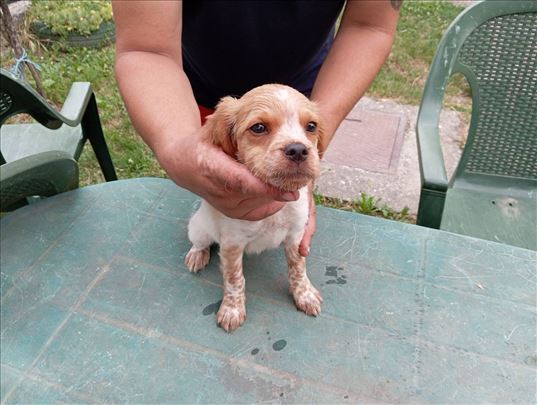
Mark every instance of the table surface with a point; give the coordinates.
(97, 306)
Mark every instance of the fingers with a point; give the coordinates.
(250, 210)
(236, 192)
(264, 211)
(286, 196)
(232, 177)
(240, 179)
(226, 184)
(304, 247)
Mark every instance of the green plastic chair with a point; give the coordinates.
(493, 192)
(41, 159)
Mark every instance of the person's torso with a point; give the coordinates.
(229, 47)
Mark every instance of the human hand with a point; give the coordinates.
(227, 185)
(304, 247)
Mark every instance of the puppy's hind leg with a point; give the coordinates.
(198, 256)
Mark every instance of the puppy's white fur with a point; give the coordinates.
(285, 114)
(208, 225)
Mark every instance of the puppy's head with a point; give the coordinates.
(272, 129)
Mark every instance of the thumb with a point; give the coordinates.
(283, 196)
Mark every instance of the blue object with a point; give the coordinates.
(18, 67)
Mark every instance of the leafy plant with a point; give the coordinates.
(64, 17)
(367, 205)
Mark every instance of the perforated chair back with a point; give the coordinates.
(499, 60)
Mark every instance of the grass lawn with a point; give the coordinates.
(420, 29)
(402, 78)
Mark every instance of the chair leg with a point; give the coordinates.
(92, 129)
(431, 208)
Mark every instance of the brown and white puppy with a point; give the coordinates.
(274, 131)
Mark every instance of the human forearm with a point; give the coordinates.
(359, 51)
(159, 98)
(151, 79)
(347, 73)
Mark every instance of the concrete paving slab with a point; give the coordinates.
(399, 186)
(369, 140)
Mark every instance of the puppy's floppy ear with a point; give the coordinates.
(218, 128)
(321, 139)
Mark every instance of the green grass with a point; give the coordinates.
(419, 31)
(365, 204)
(402, 78)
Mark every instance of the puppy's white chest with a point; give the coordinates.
(253, 236)
(271, 234)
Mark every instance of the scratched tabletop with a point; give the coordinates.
(97, 306)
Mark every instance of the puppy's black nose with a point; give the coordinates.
(296, 152)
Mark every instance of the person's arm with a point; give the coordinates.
(161, 104)
(361, 46)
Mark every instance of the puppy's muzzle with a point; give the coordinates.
(296, 152)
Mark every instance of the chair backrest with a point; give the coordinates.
(18, 97)
(494, 45)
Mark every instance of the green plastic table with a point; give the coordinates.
(97, 306)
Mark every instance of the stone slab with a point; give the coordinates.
(399, 186)
(369, 140)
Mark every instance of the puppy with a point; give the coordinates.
(274, 131)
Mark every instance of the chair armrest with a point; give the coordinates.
(434, 181)
(72, 111)
(432, 167)
(76, 102)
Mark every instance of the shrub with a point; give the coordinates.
(64, 17)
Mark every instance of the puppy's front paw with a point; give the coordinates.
(196, 259)
(308, 299)
(231, 314)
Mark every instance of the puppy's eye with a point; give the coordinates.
(311, 127)
(258, 128)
